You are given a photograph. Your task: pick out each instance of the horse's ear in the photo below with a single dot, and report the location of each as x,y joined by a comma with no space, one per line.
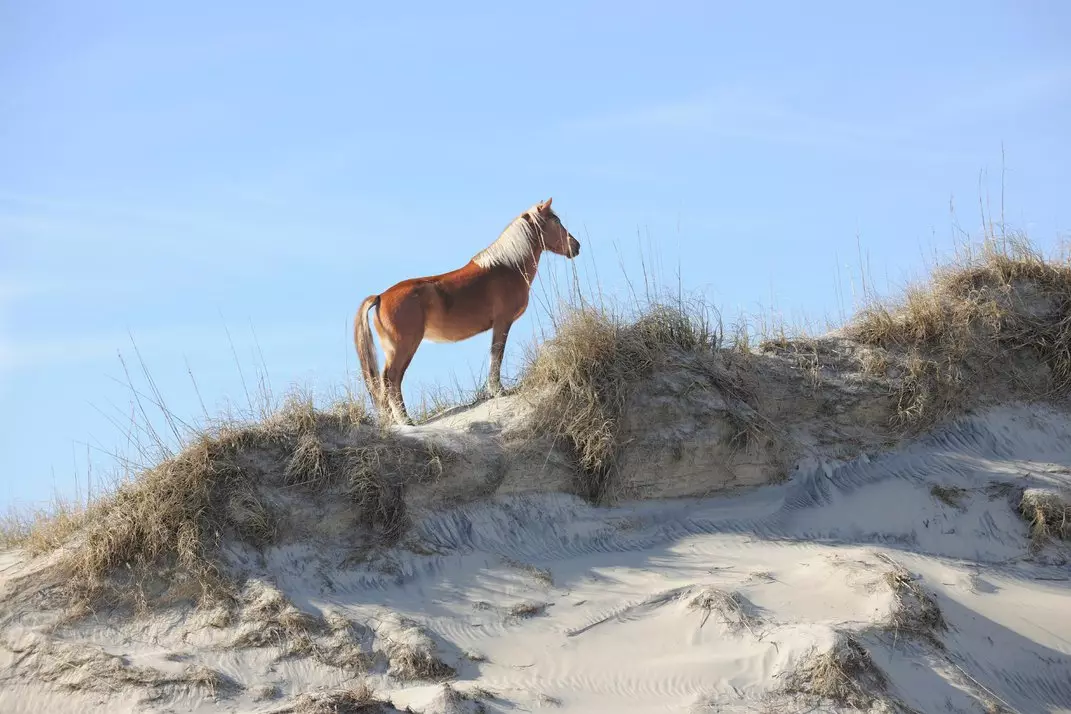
545,206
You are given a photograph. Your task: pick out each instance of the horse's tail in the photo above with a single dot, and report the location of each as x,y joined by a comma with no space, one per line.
366,349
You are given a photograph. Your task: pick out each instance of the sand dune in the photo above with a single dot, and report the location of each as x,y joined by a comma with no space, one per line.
539,601
821,526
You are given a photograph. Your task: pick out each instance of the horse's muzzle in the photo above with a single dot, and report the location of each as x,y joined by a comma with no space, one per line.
574,247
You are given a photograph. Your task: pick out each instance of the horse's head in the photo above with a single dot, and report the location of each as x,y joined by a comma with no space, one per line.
556,238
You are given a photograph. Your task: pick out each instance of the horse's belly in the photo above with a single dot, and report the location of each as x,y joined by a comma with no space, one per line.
452,332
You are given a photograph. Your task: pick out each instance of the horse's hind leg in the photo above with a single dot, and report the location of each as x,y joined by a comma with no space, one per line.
498,349
402,346
393,372
400,332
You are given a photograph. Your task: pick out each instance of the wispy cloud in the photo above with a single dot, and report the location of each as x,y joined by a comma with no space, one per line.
15,289
714,110
54,206
19,353
773,116
303,169
741,115
1022,92
58,230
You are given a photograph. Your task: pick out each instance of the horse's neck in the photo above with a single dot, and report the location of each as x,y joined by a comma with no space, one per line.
517,251
525,267
530,266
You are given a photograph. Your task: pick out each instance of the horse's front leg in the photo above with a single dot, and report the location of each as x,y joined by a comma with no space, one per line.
498,348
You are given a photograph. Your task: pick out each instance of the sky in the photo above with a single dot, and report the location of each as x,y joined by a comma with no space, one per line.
205,192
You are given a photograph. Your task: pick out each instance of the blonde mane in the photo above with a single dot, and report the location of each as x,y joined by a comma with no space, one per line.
515,244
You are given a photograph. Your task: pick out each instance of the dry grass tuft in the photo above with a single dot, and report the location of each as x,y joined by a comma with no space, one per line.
1002,312
411,653
347,412
451,701
1049,513
159,531
525,610
581,379
158,536
213,681
412,663
874,363
358,699
736,611
844,674
267,692
308,465
375,477
269,619
299,415
805,352
549,701
42,531
949,495
929,390
162,527
254,517
343,647
915,610
77,667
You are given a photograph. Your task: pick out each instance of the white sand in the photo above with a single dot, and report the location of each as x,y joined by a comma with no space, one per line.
612,627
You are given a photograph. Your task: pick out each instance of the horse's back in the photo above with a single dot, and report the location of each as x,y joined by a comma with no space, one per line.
459,304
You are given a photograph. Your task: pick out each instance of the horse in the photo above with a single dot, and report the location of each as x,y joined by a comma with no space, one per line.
490,292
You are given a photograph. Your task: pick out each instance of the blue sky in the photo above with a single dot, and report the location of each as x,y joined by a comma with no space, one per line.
179,172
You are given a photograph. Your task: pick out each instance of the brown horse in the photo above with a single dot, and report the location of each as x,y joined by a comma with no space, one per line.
488,293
